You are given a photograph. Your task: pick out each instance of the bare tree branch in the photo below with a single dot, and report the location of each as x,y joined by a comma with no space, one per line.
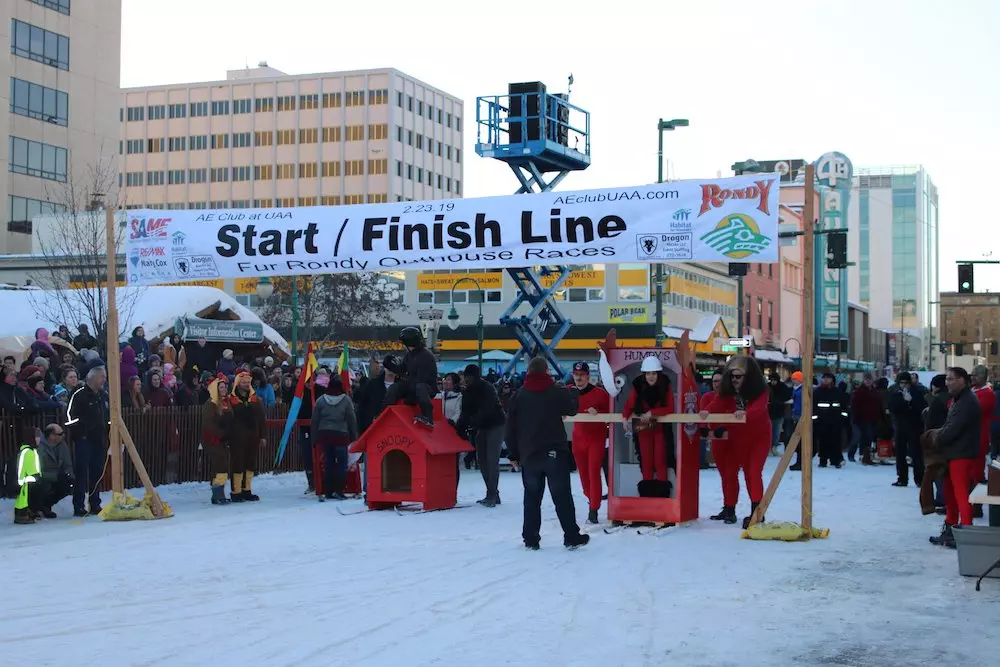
73,245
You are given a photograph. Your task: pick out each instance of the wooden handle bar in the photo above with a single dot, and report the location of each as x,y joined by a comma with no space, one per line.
683,418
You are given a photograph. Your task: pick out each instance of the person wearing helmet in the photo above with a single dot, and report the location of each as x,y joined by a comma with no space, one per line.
742,393
651,397
418,377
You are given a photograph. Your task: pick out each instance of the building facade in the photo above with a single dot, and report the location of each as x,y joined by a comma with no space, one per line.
893,239
970,330
62,82
263,139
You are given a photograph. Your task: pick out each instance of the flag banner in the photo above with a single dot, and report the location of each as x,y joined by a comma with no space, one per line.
717,220
293,410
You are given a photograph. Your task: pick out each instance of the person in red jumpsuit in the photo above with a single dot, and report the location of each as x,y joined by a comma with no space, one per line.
987,404
589,438
719,444
651,397
742,393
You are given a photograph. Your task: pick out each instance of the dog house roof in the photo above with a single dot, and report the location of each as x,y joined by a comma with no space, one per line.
438,441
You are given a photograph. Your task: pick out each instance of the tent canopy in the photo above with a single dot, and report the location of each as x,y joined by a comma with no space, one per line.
492,355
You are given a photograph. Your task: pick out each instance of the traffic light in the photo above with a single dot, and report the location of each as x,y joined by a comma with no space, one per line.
994,348
959,350
966,284
737,269
836,250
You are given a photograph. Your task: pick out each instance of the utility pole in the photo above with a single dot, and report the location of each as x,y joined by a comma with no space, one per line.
661,127
808,347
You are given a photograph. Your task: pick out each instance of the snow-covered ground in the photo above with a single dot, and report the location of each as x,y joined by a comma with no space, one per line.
289,581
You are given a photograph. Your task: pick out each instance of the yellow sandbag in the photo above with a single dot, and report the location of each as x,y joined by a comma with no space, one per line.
784,531
124,507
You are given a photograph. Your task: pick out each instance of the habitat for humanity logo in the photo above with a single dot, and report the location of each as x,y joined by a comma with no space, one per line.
682,215
736,236
177,242
148,228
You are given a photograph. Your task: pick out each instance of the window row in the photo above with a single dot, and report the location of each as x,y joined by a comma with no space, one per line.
265,172
422,176
61,6
39,102
33,158
428,110
420,142
259,105
30,41
21,210
259,138
281,202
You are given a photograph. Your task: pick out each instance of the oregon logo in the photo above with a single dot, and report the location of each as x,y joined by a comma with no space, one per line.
736,236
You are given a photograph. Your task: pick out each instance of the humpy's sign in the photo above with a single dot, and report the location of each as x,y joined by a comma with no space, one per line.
710,221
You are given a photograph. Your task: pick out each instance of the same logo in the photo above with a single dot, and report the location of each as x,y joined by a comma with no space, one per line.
736,236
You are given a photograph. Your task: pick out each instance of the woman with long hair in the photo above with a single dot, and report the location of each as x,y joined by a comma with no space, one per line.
742,393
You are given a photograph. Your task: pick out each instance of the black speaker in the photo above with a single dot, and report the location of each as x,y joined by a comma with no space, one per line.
558,118
530,93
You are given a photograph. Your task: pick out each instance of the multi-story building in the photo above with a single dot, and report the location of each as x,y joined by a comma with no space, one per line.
262,139
970,330
62,82
893,238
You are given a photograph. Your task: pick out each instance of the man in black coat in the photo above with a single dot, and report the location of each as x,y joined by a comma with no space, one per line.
418,376
906,405
829,415
483,415
88,417
536,440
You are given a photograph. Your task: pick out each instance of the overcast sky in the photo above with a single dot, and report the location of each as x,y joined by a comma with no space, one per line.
883,81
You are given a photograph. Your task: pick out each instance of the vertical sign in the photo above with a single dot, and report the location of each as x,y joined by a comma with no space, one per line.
833,173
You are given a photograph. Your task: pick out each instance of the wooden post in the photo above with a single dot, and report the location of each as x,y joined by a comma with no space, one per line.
808,346
114,357
155,503
779,473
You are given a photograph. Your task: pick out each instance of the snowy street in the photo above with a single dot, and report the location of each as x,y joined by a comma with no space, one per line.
289,581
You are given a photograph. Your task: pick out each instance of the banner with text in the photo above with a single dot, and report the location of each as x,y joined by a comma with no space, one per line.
720,220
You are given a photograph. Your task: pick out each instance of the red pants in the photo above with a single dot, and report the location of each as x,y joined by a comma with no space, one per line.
653,452
730,457
958,483
589,459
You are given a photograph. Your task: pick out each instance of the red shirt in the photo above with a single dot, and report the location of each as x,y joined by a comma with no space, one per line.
595,397
987,403
756,430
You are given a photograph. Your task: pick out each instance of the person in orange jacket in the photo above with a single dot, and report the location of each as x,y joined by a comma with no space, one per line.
589,438
651,397
742,393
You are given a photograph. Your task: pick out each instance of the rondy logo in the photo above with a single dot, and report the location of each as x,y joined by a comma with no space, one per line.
647,244
736,236
712,196
148,228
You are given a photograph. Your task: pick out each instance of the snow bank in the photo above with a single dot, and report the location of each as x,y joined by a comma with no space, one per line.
155,309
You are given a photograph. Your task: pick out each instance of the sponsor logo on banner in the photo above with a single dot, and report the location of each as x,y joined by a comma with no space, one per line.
143,227
737,236
133,257
638,314
715,196
691,408
478,236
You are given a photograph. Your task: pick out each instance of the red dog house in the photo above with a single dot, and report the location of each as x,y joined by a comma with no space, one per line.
624,502
408,463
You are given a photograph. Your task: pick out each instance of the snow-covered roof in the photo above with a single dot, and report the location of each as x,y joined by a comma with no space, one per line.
155,309
700,334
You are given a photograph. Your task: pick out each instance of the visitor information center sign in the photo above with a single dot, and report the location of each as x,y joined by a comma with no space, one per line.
721,220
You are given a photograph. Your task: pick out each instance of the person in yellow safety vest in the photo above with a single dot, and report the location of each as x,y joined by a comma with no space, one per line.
29,471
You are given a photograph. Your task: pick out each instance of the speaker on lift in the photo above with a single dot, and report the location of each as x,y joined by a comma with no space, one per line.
520,94
558,118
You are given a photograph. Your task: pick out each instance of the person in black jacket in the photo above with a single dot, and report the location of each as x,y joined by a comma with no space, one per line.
482,413
829,414
779,394
959,439
88,416
536,439
418,375
371,398
906,405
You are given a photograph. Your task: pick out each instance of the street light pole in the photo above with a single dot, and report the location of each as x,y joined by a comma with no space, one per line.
453,315
662,126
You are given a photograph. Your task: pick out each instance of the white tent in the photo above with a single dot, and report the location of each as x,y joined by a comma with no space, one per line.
155,309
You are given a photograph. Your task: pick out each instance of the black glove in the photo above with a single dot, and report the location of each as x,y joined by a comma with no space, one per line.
719,432
703,431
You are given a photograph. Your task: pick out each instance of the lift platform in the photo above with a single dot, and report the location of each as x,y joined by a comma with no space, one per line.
542,138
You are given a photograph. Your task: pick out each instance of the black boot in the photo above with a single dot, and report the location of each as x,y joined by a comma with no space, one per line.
219,495
23,516
746,520
576,541
592,516
250,496
945,539
728,514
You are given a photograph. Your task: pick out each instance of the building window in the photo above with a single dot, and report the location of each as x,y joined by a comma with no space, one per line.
378,131
157,112
770,315
21,210
220,108
239,203
307,170
355,98
458,155
39,102
219,174
199,109
308,135
399,99
175,177
379,96
263,105
175,144
38,44
458,187
61,6
286,103
134,146
378,198
329,200
286,171
286,137
154,178
197,175
332,100
633,282
177,110
154,145
354,199
133,179
241,173
286,202
355,132
263,203
448,120
241,106
309,101
307,201
331,134
399,168
354,168
135,114
241,140
378,167
263,138
328,169
218,204
420,142
34,158
263,172
198,142
760,313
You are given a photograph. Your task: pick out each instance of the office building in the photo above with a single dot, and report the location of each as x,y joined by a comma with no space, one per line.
62,82
262,139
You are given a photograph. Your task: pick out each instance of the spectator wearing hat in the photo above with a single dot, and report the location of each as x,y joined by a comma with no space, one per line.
483,416
907,406
829,414
590,438
246,438
866,410
88,417
335,426
57,469
651,397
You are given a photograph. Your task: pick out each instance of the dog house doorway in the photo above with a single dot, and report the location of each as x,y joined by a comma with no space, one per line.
397,472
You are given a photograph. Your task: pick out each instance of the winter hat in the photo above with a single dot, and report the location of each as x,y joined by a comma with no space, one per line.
155,357
472,371
30,373
42,363
227,354
797,376
269,361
